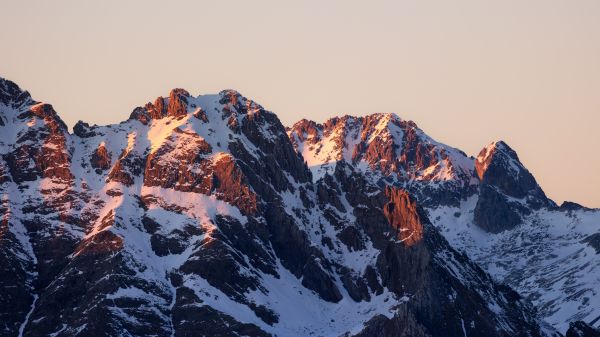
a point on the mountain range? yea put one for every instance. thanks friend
(205, 216)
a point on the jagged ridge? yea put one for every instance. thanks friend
(490, 207)
(198, 215)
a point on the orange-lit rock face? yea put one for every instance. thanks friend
(392, 148)
(156, 110)
(377, 147)
(385, 142)
(177, 103)
(180, 163)
(42, 150)
(230, 97)
(401, 212)
(498, 165)
(484, 159)
(100, 158)
(230, 185)
(174, 106)
(130, 163)
(100, 244)
(126, 169)
(503, 177)
(184, 162)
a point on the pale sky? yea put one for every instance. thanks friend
(467, 72)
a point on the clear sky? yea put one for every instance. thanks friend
(468, 72)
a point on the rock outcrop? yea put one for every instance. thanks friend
(394, 150)
(507, 191)
(402, 214)
(101, 159)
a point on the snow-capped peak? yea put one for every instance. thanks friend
(384, 145)
(497, 151)
(198, 214)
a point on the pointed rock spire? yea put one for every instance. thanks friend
(402, 214)
(499, 165)
(178, 99)
(504, 177)
(173, 106)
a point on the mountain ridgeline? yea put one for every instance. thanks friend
(205, 216)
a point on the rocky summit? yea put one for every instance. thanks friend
(205, 216)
